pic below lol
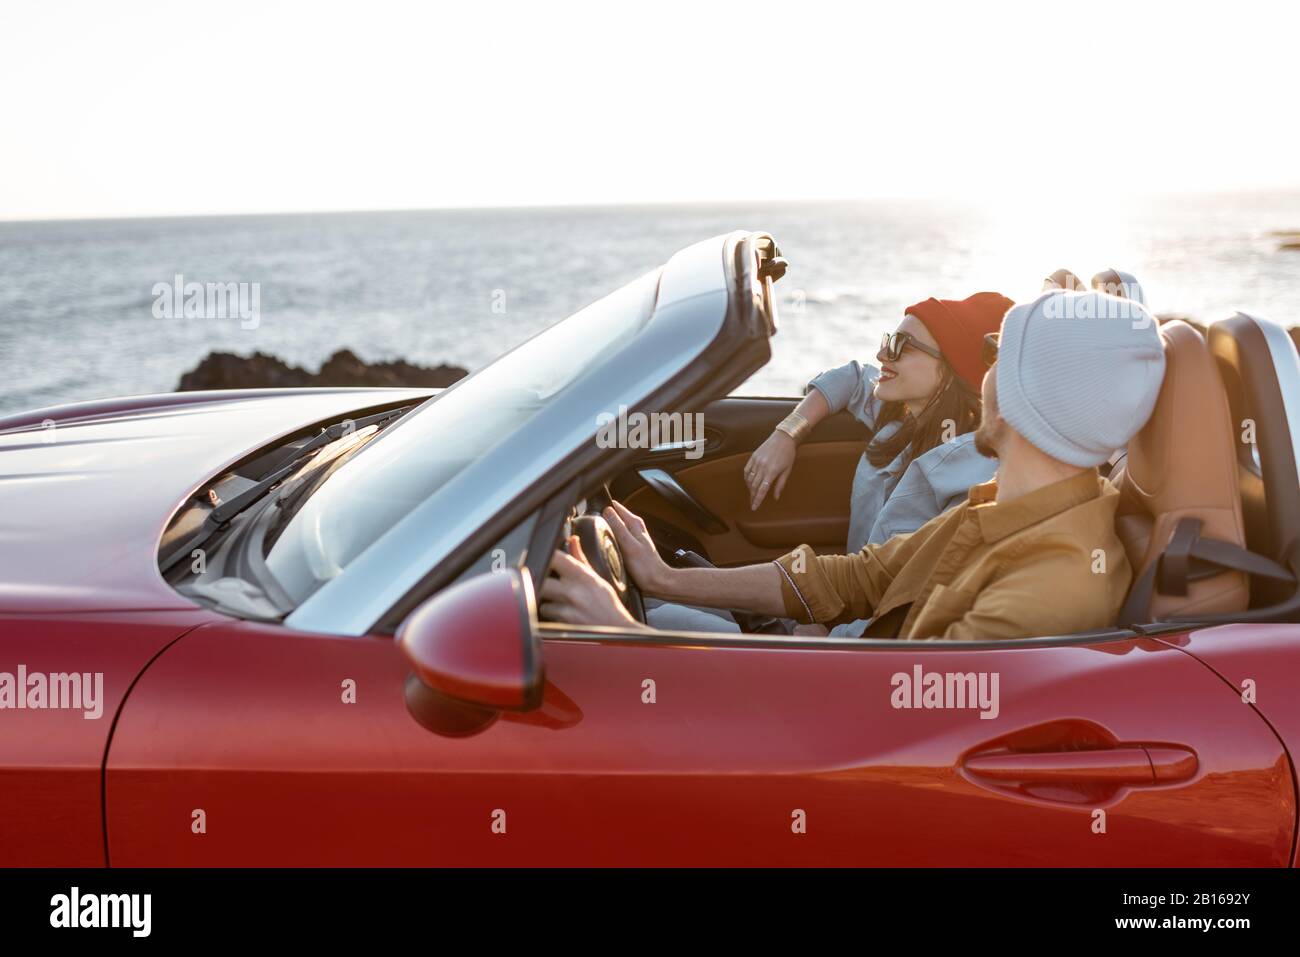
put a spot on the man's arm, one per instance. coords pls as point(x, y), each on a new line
point(577, 595)
point(840, 588)
point(800, 585)
point(754, 588)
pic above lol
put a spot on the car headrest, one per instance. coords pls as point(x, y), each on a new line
point(1183, 464)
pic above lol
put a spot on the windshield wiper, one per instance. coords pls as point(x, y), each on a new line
point(221, 515)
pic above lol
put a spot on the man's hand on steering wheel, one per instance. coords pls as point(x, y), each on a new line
point(640, 556)
point(579, 596)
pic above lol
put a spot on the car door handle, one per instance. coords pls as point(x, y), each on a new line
point(1124, 766)
point(676, 496)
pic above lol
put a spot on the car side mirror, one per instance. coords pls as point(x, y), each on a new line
point(474, 652)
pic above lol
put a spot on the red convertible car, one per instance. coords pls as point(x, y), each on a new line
point(298, 627)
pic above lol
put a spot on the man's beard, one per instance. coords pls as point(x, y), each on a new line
point(987, 436)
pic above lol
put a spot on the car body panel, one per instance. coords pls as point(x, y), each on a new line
point(1261, 664)
point(87, 498)
point(248, 722)
point(51, 760)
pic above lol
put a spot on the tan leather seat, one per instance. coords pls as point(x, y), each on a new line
point(1183, 464)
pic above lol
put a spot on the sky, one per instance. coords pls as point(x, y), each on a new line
point(143, 109)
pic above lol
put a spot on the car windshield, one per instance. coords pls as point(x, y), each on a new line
point(412, 459)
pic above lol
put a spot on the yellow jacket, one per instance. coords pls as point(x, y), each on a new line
point(1047, 563)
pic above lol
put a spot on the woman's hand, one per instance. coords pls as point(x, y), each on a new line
point(769, 467)
point(640, 556)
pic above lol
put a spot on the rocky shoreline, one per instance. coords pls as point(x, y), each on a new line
point(225, 370)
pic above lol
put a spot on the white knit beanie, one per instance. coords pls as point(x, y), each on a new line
point(1078, 373)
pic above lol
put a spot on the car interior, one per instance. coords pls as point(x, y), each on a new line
point(1210, 501)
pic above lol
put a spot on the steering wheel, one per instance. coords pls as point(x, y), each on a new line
point(602, 551)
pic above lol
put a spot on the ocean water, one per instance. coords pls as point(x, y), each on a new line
point(462, 286)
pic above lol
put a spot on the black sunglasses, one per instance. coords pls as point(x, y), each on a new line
point(892, 345)
point(989, 351)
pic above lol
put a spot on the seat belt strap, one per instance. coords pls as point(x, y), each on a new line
point(1188, 558)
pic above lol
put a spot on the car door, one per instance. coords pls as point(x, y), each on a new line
point(697, 498)
point(1121, 751)
point(250, 744)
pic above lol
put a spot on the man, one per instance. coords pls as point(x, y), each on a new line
point(1033, 552)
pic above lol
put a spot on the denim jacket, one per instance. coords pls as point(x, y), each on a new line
point(892, 500)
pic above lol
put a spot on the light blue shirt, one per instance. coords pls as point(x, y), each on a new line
point(891, 500)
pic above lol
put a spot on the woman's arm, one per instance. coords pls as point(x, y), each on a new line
point(850, 388)
point(769, 467)
point(845, 388)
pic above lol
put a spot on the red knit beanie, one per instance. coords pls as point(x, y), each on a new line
point(959, 326)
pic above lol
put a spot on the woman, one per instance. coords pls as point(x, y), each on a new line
point(922, 405)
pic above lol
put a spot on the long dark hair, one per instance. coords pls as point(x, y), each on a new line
point(954, 402)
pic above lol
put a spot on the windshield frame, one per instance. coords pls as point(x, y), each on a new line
point(694, 301)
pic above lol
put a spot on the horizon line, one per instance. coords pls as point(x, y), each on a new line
point(631, 204)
